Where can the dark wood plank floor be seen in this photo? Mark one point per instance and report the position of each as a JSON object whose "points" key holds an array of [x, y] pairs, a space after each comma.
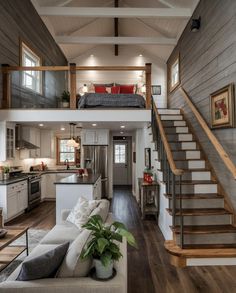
{"points": [[149, 269]]}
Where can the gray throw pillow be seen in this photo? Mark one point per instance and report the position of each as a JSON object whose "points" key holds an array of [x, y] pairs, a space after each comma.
{"points": [[43, 266]]}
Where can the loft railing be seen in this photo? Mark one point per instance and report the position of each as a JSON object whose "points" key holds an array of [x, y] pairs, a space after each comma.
{"points": [[69, 83], [172, 176], [218, 147]]}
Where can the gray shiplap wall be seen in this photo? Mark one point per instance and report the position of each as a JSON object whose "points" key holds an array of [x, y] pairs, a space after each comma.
{"points": [[207, 63], [18, 19]]}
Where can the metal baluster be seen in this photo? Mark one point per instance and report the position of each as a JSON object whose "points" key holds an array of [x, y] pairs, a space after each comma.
{"points": [[173, 200], [181, 214]]}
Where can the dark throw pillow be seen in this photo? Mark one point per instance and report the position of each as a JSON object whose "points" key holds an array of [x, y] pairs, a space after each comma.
{"points": [[43, 266]]}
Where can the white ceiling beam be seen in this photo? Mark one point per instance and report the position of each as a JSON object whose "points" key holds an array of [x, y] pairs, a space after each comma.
{"points": [[115, 40], [111, 12]]}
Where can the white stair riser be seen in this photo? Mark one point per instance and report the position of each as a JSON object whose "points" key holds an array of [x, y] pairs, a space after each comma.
{"points": [[181, 130], [180, 123], [214, 238], [172, 117], [160, 175], [193, 154], [188, 145], [198, 188], [196, 164], [185, 137], [200, 203], [169, 111], [202, 175], [205, 220]]}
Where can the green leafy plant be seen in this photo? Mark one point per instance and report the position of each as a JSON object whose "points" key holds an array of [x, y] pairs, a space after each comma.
{"points": [[6, 169], [102, 246], [65, 96]]}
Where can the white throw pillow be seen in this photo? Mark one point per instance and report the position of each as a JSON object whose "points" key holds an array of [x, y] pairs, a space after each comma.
{"points": [[79, 215]]}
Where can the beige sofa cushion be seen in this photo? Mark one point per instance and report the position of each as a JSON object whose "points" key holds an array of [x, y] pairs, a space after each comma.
{"points": [[72, 265], [102, 209], [61, 233]]}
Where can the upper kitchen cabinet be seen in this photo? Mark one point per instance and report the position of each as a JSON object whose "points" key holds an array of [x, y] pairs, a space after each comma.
{"points": [[7, 141], [95, 137], [47, 145]]}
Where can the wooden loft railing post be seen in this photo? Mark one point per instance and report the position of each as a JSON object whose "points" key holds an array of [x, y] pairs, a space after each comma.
{"points": [[148, 71], [6, 87], [73, 86]]}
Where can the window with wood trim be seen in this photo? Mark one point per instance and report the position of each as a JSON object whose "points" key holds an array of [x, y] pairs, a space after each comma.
{"points": [[31, 80], [64, 152]]}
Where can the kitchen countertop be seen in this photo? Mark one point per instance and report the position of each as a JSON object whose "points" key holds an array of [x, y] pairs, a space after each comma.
{"points": [[13, 180], [74, 179]]}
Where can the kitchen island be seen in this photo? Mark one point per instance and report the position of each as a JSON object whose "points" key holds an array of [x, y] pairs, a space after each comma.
{"points": [[69, 189]]}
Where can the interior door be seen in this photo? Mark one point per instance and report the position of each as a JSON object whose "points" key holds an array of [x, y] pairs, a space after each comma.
{"points": [[120, 163]]}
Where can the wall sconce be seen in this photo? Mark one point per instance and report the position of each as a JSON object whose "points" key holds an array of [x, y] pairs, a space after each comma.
{"points": [[196, 24]]}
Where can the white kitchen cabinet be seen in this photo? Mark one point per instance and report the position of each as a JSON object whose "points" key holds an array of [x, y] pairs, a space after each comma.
{"points": [[7, 141], [14, 199], [47, 144], [95, 137]]}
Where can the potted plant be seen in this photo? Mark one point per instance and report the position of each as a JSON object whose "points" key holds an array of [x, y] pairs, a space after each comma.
{"points": [[6, 171], [65, 99], [103, 246]]}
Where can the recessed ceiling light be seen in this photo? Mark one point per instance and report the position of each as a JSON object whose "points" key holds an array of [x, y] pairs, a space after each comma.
{"points": [[41, 124], [94, 124], [122, 126], [122, 132], [63, 128], [91, 55], [140, 55]]}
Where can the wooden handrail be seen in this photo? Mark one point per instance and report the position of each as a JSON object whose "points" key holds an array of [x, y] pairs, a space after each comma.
{"points": [[111, 68], [170, 159], [219, 148], [35, 68]]}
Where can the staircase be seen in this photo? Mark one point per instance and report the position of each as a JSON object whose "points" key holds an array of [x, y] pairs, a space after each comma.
{"points": [[202, 225]]}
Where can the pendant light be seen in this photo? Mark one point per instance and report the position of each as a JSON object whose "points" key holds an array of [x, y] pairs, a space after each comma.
{"points": [[71, 142]]}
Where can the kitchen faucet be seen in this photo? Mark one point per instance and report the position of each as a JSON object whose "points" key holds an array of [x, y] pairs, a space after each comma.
{"points": [[66, 162]]}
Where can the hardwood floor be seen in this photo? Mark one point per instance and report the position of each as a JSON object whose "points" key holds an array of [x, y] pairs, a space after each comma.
{"points": [[149, 269]]}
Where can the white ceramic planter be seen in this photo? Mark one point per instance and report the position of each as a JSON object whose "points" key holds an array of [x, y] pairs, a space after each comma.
{"points": [[103, 272]]}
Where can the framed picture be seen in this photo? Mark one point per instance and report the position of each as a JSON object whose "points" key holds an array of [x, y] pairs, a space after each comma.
{"points": [[147, 156], [174, 74], [222, 107], [156, 89]]}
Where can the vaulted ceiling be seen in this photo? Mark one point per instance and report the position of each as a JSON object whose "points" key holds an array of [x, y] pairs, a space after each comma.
{"points": [[153, 25]]}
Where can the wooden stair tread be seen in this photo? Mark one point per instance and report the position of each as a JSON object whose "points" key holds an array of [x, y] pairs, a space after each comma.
{"points": [[179, 141], [196, 196], [181, 160], [205, 229], [201, 212], [210, 252], [190, 170]]}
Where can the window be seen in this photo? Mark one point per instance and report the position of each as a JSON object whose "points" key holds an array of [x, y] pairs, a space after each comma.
{"points": [[65, 152], [120, 153], [174, 74], [31, 79]]}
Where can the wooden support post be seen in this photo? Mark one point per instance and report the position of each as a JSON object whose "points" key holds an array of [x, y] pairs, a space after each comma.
{"points": [[73, 86], [148, 85], [6, 87], [116, 28]]}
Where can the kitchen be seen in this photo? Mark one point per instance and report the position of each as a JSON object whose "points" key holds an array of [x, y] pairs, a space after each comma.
{"points": [[33, 157]]}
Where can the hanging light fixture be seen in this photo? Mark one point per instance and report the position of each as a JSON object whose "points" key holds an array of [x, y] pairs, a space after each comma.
{"points": [[71, 142]]}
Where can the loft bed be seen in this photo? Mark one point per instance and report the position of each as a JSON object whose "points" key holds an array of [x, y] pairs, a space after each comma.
{"points": [[113, 99]]}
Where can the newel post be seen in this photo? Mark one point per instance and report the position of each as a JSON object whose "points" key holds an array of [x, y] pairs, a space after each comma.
{"points": [[148, 84], [73, 86], [6, 87]]}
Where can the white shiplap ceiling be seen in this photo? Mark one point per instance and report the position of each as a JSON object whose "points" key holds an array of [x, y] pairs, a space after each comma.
{"points": [[160, 28]]}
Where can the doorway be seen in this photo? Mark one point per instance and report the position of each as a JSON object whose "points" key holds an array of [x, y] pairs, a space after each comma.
{"points": [[122, 161]]}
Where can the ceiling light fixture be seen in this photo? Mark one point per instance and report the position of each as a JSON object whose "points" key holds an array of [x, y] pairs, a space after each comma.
{"points": [[122, 126], [63, 128], [140, 55], [94, 124], [71, 142], [196, 24], [91, 55], [122, 132], [41, 125]]}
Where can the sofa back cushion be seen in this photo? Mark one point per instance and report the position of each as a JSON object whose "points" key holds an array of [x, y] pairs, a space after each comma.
{"points": [[102, 209]]}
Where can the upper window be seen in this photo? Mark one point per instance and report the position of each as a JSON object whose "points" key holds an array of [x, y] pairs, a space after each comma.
{"points": [[31, 79], [65, 152], [174, 74], [120, 153]]}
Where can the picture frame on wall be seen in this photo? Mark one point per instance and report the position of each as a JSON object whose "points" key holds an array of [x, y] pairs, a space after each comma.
{"points": [[174, 74], [222, 107], [147, 157], [156, 90]]}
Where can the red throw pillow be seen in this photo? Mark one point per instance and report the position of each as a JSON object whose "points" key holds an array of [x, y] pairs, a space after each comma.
{"points": [[100, 89], [115, 90], [127, 89]]}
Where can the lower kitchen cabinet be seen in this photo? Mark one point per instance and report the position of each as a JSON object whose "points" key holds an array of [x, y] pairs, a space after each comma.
{"points": [[14, 199]]}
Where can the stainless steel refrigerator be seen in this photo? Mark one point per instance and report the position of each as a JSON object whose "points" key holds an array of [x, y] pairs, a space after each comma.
{"points": [[95, 160]]}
